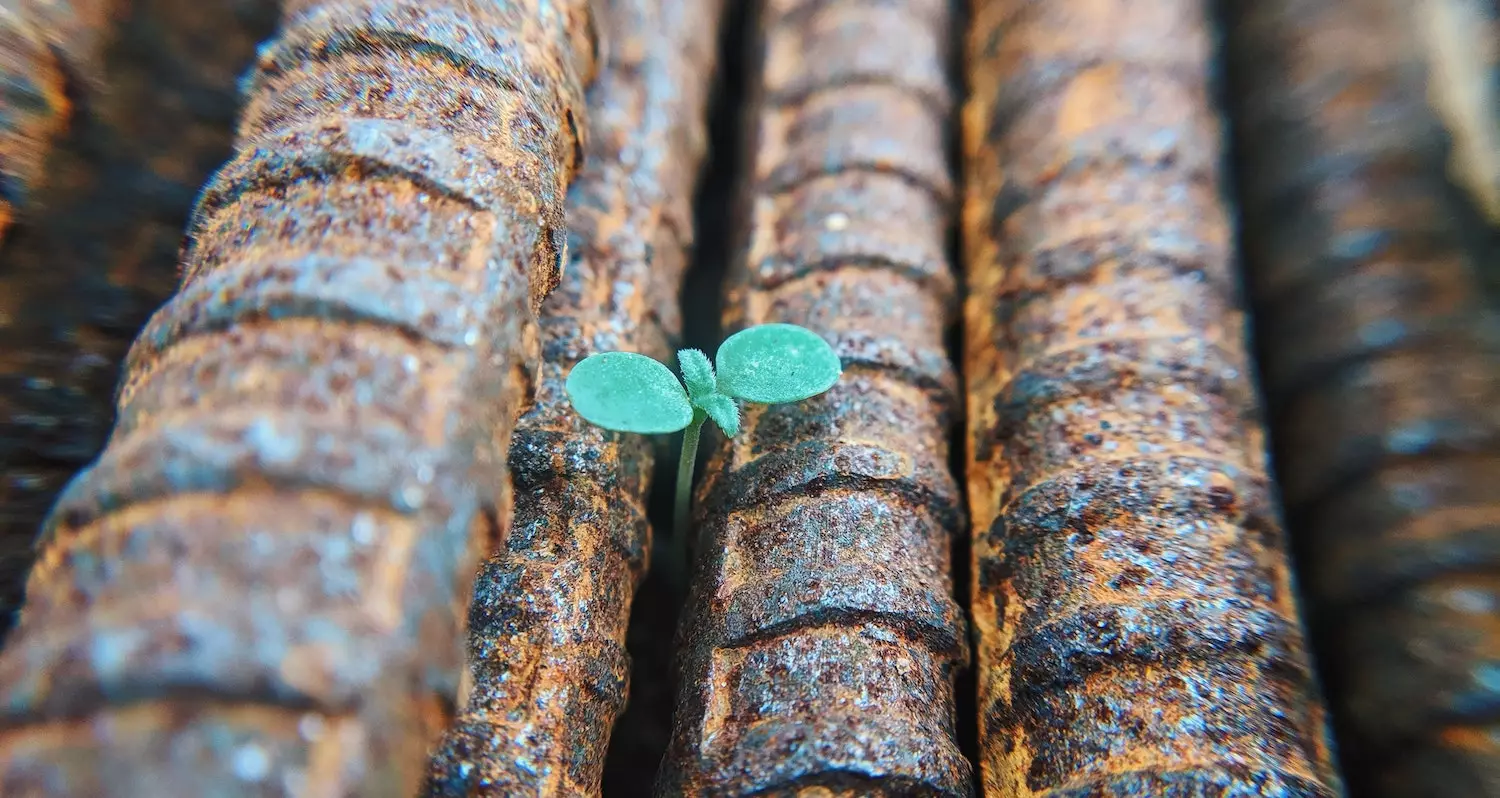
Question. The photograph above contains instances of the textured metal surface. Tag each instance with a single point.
(152, 86)
(547, 627)
(821, 637)
(258, 588)
(1137, 628)
(1382, 365)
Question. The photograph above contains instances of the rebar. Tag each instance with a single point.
(149, 116)
(259, 587)
(1138, 632)
(1381, 349)
(821, 636)
(547, 626)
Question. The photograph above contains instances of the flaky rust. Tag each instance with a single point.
(547, 627)
(258, 587)
(1137, 629)
(1382, 364)
(150, 96)
(821, 636)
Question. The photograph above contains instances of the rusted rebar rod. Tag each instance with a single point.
(258, 588)
(547, 627)
(821, 636)
(1137, 628)
(150, 115)
(1382, 360)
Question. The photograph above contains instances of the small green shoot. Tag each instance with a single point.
(767, 364)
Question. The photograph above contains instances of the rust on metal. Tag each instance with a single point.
(547, 626)
(1137, 628)
(259, 587)
(821, 636)
(152, 115)
(1382, 364)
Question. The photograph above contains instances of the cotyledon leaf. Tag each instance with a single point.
(775, 363)
(627, 392)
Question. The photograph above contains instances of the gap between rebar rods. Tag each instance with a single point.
(641, 735)
(966, 686)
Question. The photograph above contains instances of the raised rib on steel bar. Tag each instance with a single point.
(547, 627)
(1382, 364)
(821, 636)
(1138, 632)
(151, 86)
(258, 589)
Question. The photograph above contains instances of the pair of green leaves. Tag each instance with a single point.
(767, 364)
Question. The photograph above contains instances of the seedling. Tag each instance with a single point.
(769, 364)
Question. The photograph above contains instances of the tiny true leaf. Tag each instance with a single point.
(775, 363)
(697, 372)
(723, 411)
(627, 392)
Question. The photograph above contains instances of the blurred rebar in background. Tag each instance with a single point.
(112, 114)
(1381, 360)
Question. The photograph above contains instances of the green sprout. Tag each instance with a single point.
(768, 364)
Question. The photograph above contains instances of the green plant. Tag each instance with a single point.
(767, 364)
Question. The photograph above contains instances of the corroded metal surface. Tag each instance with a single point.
(821, 636)
(258, 588)
(1138, 633)
(547, 627)
(1382, 364)
(152, 88)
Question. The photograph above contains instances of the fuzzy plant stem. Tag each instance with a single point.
(685, 465)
